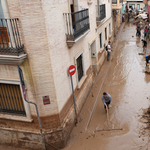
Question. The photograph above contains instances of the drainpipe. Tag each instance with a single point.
(98, 8)
(114, 16)
(7, 16)
(43, 139)
(149, 10)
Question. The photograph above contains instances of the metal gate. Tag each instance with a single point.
(11, 99)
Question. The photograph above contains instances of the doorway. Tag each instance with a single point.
(93, 57)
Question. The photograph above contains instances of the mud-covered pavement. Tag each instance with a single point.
(124, 128)
(125, 80)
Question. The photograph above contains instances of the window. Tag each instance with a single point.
(138, 6)
(106, 33)
(11, 99)
(100, 38)
(102, 12)
(109, 28)
(132, 6)
(79, 67)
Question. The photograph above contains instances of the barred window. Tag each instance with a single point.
(79, 67)
(105, 33)
(11, 100)
(100, 38)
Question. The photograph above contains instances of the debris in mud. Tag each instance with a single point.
(141, 18)
(93, 135)
(146, 116)
(80, 120)
(141, 53)
(105, 130)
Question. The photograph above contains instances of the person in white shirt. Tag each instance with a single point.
(109, 50)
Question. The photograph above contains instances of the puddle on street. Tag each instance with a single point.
(129, 87)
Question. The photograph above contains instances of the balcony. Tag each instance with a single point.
(117, 4)
(101, 12)
(77, 26)
(11, 47)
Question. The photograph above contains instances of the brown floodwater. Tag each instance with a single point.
(124, 78)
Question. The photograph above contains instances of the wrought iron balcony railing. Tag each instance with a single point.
(77, 24)
(101, 12)
(10, 41)
(114, 1)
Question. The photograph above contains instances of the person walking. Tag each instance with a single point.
(108, 50)
(145, 31)
(128, 17)
(144, 45)
(107, 100)
(139, 30)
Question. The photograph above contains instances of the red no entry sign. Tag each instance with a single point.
(72, 70)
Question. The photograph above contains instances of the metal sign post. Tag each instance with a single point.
(75, 107)
(72, 70)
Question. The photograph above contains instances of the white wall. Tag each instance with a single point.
(61, 56)
(142, 5)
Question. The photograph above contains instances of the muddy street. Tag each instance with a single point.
(123, 77)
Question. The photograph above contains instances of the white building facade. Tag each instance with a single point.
(136, 4)
(48, 38)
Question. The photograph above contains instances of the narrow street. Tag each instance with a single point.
(125, 80)
(123, 77)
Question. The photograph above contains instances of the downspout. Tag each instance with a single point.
(98, 8)
(149, 10)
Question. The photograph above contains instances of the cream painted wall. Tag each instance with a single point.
(43, 29)
(105, 23)
(58, 48)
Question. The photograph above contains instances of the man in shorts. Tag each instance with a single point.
(107, 100)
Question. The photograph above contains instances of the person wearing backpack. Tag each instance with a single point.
(108, 49)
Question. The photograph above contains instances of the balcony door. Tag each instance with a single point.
(4, 38)
(72, 16)
(74, 7)
(1, 11)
